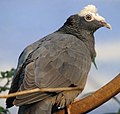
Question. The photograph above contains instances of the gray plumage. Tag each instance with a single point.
(61, 59)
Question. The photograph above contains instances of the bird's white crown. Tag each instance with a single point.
(87, 9)
(91, 9)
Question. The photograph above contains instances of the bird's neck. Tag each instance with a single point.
(84, 35)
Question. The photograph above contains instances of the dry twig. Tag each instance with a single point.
(40, 90)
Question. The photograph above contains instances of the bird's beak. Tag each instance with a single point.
(107, 25)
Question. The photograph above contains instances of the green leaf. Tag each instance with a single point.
(3, 111)
(118, 111)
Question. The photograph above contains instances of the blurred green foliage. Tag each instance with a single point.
(4, 111)
(7, 75)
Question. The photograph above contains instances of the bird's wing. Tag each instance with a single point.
(58, 62)
(19, 75)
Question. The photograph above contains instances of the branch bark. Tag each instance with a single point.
(96, 99)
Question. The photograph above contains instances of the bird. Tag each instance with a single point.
(60, 59)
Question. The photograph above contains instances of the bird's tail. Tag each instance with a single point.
(42, 107)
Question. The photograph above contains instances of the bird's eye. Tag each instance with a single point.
(88, 17)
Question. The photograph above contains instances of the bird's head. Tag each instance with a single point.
(90, 19)
(87, 19)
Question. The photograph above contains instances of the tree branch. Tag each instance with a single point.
(96, 99)
(40, 90)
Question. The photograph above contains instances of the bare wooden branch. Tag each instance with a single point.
(96, 99)
(40, 90)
